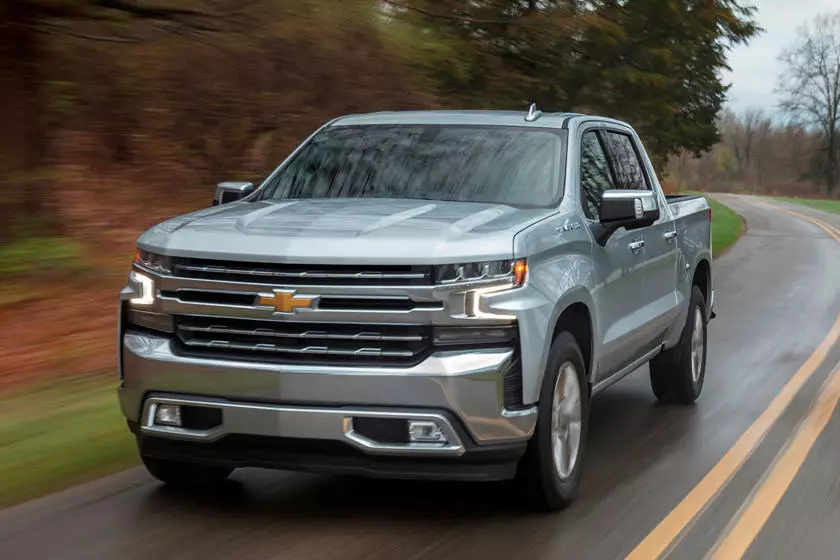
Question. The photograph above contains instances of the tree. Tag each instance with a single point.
(810, 90)
(24, 26)
(655, 63)
(753, 119)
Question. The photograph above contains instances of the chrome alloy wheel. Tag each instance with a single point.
(698, 345)
(566, 420)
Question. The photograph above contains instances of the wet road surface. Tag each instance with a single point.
(778, 296)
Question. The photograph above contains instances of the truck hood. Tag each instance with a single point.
(338, 231)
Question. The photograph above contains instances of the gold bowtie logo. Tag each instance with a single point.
(284, 302)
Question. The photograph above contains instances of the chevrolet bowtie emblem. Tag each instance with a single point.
(285, 302)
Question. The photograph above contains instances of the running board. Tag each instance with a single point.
(614, 378)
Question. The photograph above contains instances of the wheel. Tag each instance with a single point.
(186, 475)
(677, 375)
(549, 472)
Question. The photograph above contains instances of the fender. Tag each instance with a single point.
(577, 295)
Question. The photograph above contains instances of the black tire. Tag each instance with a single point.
(671, 372)
(185, 475)
(536, 474)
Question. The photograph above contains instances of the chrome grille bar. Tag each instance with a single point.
(302, 275)
(303, 342)
(318, 350)
(294, 274)
(262, 331)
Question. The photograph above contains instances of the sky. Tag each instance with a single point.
(755, 67)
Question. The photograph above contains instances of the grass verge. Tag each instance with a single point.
(41, 254)
(727, 226)
(832, 206)
(60, 435)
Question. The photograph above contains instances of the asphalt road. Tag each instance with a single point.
(778, 296)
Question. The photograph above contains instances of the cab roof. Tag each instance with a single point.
(468, 117)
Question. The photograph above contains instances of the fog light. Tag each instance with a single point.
(425, 431)
(168, 415)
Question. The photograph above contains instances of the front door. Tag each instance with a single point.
(659, 305)
(619, 265)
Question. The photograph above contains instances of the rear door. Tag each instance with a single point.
(659, 296)
(619, 263)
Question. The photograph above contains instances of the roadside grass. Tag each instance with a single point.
(59, 435)
(727, 227)
(832, 206)
(41, 255)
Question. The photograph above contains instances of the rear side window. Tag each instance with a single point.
(625, 160)
(595, 175)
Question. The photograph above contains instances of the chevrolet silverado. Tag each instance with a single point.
(418, 294)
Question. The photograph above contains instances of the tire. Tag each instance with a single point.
(185, 475)
(548, 483)
(677, 375)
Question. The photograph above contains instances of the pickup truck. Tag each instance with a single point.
(416, 294)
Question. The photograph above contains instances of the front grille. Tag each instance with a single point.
(298, 275)
(303, 342)
(326, 303)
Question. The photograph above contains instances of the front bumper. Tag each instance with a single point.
(463, 391)
(478, 463)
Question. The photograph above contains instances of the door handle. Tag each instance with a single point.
(636, 246)
(670, 236)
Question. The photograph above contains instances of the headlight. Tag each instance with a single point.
(153, 261)
(144, 288)
(511, 272)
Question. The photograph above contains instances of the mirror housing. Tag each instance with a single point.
(231, 191)
(630, 209)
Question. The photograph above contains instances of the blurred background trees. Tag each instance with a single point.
(109, 105)
(797, 151)
(810, 89)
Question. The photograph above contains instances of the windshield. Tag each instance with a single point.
(520, 166)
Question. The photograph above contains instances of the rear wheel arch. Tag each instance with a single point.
(703, 280)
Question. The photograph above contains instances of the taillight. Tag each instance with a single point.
(710, 214)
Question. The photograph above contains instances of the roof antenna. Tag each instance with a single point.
(533, 113)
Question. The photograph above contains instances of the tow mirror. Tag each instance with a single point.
(631, 209)
(231, 191)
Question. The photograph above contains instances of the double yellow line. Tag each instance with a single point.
(761, 503)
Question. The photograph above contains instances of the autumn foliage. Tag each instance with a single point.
(118, 113)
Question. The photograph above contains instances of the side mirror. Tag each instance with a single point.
(231, 191)
(630, 209)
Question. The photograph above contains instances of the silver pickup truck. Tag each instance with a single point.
(431, 294)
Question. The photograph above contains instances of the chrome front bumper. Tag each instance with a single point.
(299, 422)
(464, 390)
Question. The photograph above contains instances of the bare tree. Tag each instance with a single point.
(751, 124)
(741, 133)
(810, 89)
(762, 147)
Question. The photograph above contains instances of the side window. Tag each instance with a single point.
(625, 160)
(595, 175)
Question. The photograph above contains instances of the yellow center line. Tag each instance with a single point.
(826, 227)
(774, 485)
(670, 528)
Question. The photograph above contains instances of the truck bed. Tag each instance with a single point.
(671, 198)
(683, 205)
